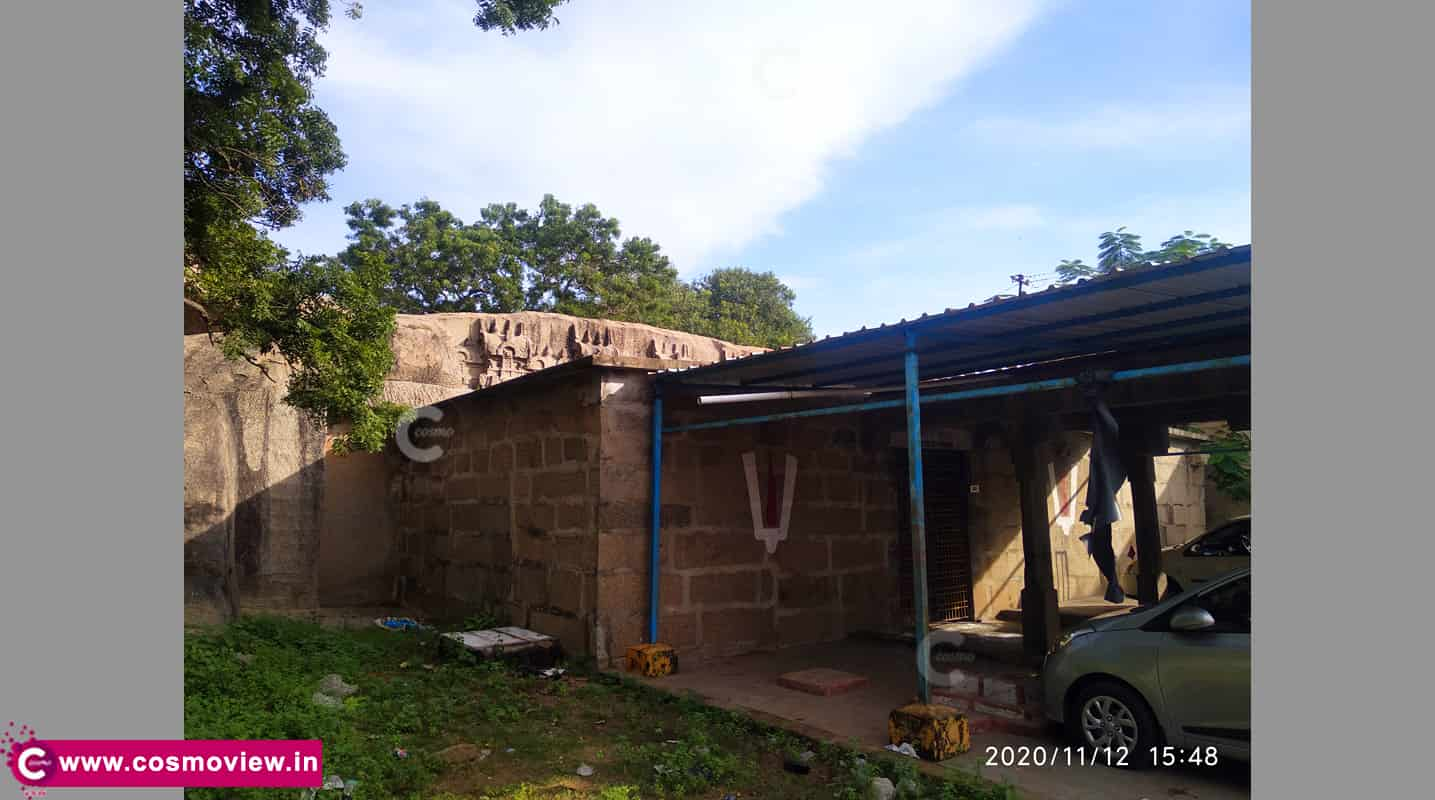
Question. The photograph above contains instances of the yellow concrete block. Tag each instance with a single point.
(936, 732)
(652, 660)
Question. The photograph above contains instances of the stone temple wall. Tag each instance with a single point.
(276, 522)
(253, 489)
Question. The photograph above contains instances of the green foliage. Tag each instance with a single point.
(255, 145)
(255, 679)
(1184, 245)
(270, 698)
(434, 261)
(1071, 271)
(561, 259)
(746, 307)
(256, 148)
(572, 261)
(511, 16)
(327, 322)
(1121, 249)
(853, 774)
(689, 765)
(485, 620)
(1231, 470)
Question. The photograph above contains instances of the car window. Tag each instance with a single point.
(1230, 605)
(1233, 539)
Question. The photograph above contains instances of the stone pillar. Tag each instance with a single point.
(1040, 620)
(1140, 440)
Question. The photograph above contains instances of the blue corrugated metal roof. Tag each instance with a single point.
(1204, 302)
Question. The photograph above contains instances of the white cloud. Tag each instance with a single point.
(696, 124)
(1223, 115)
(945, 227)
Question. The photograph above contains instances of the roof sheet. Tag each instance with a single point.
(1204, 301)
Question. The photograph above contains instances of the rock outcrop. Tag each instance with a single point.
(272, 523)
(253, 484)
(441, 355)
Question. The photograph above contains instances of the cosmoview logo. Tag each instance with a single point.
(31, 761)
(951, 642)
(35, 763)
(408, 438)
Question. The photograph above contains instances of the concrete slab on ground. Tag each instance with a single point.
(822, 681)
(749, 684)
(503, 641)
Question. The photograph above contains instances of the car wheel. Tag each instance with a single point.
(1172, 589)
(1107, 716)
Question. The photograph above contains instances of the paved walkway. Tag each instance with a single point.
(749, 683)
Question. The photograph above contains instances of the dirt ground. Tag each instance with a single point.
(421, 721)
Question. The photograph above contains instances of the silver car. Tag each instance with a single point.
(1161, 684)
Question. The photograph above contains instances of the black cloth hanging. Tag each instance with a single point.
(1107, 476)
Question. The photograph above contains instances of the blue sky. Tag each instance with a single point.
(882, 166)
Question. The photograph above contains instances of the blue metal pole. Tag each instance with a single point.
(968, 394)
(1181, 369)
(918, 513)
(655, 513)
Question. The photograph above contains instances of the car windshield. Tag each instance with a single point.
(1232, 539)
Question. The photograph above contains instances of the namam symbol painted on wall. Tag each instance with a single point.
(1063, 497)
(768, 526)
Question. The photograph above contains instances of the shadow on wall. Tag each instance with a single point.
(253, 489)
(358, 535)
(261, 557)
(321, 537)
(272, 521)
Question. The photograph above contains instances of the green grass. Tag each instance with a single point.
(419, 693)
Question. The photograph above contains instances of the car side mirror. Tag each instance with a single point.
(1190, 618)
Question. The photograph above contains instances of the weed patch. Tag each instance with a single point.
(524, 736)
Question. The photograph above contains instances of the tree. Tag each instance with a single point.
(1184, 245)
(562, 259)
(434, 261)
(1119, 249)
(746, 307)
(642, 286)
(1071, 271)
(564, 252)
(256, 148)
(554, 259)
(1230, 463)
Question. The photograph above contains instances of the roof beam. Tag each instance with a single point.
(1122, 280)
(1052, 349)
(1038, 333)
(985, 392)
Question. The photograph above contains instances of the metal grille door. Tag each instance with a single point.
(949, 554)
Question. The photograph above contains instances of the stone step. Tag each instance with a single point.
(1005, 702)
(986, 715)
